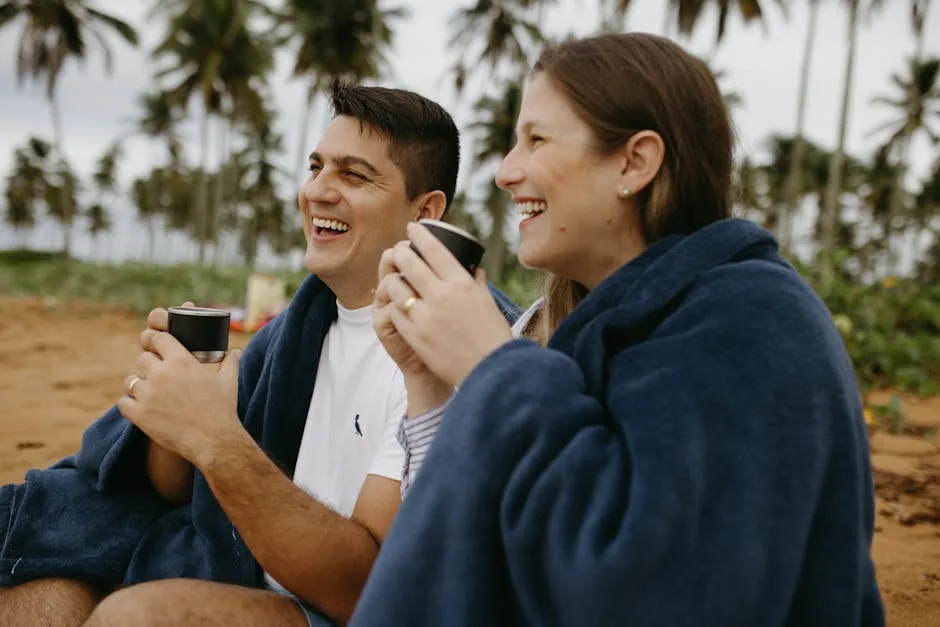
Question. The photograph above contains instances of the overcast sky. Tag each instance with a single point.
(762, 66)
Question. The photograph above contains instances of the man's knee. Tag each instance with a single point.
(181, 602)
(58, 602)
(136, 605)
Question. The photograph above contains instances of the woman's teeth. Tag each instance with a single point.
(531, 209)
(333, 225)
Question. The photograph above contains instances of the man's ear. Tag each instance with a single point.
(431, 205)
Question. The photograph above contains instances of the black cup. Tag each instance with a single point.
(465, 247)
(203, 331)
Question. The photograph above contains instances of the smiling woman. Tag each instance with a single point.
(686, 448)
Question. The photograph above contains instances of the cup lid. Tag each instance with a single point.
(198, 311)
(450, 227)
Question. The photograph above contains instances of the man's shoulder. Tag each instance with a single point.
(507, 306)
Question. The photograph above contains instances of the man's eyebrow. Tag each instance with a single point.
(346, 161)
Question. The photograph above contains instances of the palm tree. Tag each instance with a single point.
(507, 32)
(347, 39)
(61, 199)
(214, 55)
(918, 105)
(790, 204)
(495, 128)
(686, 14)
(260, 211)
(831, 202)
(928, 207)
(105, 180)
(27, 183)
(99, 221)
(53, 32)
(159, 120)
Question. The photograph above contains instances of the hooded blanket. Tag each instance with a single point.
(95, 516)
(688, 450)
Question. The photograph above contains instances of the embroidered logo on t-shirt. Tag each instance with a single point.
(356, 424)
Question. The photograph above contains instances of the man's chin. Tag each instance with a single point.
(322, 265)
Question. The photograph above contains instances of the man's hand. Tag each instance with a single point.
(182, 405)
(159, 320)
(170, 474)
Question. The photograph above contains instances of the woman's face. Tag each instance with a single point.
(576, 220)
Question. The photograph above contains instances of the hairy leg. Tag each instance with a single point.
(182, 602)
(47, 603)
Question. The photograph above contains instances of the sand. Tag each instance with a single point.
(62, 365)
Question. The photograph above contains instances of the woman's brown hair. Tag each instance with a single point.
(620, 84)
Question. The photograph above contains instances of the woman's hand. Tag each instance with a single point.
(410, 364)
(447, 318)
(425, 389)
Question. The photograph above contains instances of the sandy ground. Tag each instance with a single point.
(63, 364)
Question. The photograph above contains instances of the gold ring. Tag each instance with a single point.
(409, 304)
(130, 388)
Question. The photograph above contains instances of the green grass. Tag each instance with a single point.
(139, 287)
(892, 334)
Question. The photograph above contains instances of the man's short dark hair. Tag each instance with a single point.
(423, 139)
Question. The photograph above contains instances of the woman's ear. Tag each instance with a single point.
(642, 157)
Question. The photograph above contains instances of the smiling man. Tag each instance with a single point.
(280, 472)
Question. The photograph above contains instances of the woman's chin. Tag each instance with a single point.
(531, 257)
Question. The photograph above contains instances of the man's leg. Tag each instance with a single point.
(182, 602)
(47, 603)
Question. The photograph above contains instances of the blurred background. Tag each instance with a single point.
(151, 153)
(162, 144)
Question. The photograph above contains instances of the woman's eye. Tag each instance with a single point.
(314, 168)
(535, 140)
(355, 175)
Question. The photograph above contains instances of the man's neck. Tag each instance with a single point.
(352, 294)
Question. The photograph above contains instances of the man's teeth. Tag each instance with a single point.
(529, 209)
(333, 225)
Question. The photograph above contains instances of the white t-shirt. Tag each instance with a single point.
(352, 425)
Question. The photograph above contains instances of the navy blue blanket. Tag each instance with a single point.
(689, 450)
(95, 516)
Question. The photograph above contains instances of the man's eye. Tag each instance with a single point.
(315, 167)
(355, 175)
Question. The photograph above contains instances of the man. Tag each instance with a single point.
(314, 393)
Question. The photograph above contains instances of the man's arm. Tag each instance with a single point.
(308, 548)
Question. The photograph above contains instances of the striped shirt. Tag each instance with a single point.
(416, 434)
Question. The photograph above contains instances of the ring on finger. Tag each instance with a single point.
(409, 304)
(130, 388)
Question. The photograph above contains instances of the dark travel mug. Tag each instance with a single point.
(203, 331)
(466, 248)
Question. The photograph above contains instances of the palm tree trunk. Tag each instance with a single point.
(65, 196)
(831, 205)
(202, 193)
(792, 194)
(153, 200)
(495, 259)
(223, 130)
(895, 208)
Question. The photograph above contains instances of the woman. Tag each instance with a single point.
(684, 445)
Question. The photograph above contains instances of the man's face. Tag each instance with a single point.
(354, 205)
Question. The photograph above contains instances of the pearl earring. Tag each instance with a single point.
(626, 192)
